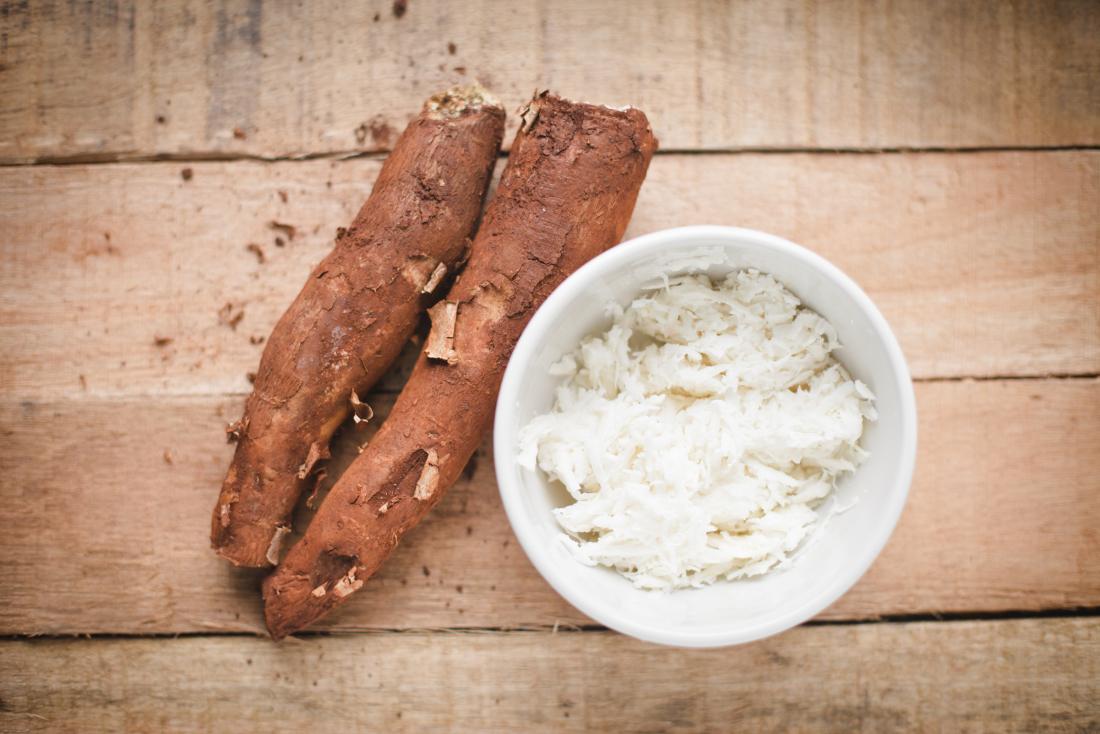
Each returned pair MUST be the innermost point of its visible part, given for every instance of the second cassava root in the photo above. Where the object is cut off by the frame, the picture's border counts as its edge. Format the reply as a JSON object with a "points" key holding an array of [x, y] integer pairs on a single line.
{"points": [[353, 316], [566, 194]]}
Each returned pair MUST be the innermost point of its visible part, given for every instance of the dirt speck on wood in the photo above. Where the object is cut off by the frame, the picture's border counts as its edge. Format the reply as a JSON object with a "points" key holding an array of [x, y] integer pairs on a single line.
{"points": [[380, 131], [230, 315], [288, 229]]}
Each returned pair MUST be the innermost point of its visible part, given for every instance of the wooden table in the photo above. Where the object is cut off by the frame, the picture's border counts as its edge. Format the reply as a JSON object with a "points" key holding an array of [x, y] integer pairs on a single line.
{"points": [[944, 154]]}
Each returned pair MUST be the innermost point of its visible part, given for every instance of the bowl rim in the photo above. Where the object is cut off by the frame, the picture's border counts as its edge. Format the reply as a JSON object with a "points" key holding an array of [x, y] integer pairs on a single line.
{"points": [[553, 309]]}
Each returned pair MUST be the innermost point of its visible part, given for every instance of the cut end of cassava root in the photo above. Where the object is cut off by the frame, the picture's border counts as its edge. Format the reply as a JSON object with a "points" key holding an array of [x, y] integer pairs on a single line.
{"points": [[458, 100], [354, 314], [566, 195]]}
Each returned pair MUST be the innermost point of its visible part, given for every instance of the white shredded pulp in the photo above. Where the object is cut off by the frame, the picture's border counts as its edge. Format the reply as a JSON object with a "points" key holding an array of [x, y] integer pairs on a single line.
{"points": [[700, 432]]}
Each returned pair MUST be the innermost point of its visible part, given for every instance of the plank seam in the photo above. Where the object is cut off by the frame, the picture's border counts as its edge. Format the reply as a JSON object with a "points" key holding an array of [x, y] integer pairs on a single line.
{"points": [[1049, 377], [1011, 378], [85, 159], [895, 619]]}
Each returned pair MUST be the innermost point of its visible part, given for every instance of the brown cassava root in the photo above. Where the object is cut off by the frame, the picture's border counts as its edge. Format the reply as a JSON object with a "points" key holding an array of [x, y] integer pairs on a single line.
{"points": [[567, 194], [353, 316]]}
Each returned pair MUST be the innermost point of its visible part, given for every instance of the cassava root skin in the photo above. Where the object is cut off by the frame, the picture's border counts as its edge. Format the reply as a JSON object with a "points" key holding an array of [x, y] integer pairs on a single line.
{"points": [[356, 311], [566, 195]]}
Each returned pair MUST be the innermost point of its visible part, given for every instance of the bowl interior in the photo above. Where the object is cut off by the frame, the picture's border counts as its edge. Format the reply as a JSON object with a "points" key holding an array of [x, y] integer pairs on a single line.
{"points": [[837, 553]]}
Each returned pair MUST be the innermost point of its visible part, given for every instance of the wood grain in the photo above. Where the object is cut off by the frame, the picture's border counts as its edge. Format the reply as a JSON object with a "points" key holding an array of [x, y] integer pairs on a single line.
{"points": [[1002, 516], [984, 264], [1006, 676], [241, 77], [121, 357]]}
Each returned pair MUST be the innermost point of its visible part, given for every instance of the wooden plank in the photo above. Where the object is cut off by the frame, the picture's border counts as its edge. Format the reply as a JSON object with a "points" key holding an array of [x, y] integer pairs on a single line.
{"points": [[129, 79], [1013, 675], [104, 535], [985, 264]]}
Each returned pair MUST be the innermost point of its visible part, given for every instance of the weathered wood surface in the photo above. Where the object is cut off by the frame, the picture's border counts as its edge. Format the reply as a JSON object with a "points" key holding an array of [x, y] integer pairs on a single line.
{"points": [[136, 79], [103, 534], [117, 371], [984, 263], [1006, 676]]}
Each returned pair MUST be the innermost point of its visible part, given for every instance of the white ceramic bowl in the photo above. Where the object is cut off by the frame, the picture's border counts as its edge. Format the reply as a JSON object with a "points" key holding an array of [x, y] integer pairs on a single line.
{"points": [[724, 613]]}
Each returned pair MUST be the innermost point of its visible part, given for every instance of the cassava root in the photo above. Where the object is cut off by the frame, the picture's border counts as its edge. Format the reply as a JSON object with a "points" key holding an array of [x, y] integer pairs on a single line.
{"points": [[566, 194], [353, 316]]}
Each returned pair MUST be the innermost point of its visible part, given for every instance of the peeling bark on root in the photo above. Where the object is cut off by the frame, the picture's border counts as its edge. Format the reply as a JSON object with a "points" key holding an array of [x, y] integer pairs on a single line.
{"points": [[566, 195], [317, 452], [441, 339], [360, 411], [354, 314], [276, 548], [429, 477], [434, 279]]}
